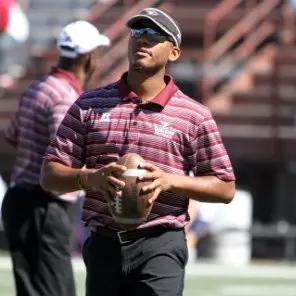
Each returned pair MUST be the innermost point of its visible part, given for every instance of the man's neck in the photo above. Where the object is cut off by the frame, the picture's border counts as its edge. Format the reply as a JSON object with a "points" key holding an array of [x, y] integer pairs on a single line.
{"points": [[78, 73], [144, 85], [80, 76]]}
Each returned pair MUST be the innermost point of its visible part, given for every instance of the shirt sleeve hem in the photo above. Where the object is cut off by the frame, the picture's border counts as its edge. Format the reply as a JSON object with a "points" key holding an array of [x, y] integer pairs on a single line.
{"points": [[57, 159]]}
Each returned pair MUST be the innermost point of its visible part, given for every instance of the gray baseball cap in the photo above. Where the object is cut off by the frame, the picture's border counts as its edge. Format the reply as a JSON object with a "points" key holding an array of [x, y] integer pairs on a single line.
{"points": [[161, 20]]}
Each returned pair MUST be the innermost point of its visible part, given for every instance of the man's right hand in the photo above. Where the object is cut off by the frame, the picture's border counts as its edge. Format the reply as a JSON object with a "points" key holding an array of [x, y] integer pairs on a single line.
{"points": [[103, 179]]}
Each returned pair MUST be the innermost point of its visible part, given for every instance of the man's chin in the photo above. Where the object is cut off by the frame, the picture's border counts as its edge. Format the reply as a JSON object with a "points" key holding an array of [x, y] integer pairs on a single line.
{"points": [[138, 68], [141, 68]]}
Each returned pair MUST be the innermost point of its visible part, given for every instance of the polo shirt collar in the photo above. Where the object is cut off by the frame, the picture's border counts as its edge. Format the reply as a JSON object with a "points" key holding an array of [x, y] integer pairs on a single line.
{"points": [[68, 76], [160, 99]]}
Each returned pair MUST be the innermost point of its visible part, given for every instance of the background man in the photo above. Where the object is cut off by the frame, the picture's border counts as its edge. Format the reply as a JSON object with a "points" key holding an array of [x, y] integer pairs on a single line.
{"points": [[38, 224]]}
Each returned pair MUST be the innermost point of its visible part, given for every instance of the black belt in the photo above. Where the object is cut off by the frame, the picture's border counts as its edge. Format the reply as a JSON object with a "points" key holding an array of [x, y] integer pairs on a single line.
{"points": [[128, 236]]}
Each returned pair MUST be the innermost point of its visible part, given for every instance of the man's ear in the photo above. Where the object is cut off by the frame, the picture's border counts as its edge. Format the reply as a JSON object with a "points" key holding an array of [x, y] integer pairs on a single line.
{"points": [[175, 54]]}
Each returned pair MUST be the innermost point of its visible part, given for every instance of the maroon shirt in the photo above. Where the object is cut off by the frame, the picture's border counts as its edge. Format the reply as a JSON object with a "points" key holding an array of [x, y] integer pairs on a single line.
{"points": [[41, 110], [172, 131]]}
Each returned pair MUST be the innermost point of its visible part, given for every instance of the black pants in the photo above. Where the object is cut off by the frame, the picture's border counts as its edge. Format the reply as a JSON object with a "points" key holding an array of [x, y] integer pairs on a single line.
{"points": [[149, 266], [38, 228]]}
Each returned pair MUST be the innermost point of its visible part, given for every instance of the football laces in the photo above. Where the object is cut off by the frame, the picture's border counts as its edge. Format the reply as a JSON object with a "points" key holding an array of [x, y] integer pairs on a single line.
{"points": [[118, 205]]}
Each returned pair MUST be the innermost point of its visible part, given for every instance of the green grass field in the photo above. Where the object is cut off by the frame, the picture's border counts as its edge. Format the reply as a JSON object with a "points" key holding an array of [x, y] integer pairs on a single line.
{"points": [[205, 280]]}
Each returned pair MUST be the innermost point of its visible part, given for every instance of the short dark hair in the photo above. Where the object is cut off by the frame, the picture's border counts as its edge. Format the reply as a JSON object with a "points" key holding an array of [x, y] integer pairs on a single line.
{"points": [[69, 63]]}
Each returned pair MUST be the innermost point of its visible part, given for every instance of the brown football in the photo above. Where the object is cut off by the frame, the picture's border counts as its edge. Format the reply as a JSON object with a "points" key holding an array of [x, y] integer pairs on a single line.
{"points": [[132, 208]]}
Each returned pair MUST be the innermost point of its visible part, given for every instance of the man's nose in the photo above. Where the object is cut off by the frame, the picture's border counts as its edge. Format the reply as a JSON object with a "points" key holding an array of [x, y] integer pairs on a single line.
{"points": [[142, 40]]}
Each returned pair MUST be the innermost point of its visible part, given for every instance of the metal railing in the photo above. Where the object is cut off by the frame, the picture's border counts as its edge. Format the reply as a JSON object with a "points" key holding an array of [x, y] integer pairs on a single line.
{"points": [[215, 16], [98, 9], [280, 231], [253, 27]]}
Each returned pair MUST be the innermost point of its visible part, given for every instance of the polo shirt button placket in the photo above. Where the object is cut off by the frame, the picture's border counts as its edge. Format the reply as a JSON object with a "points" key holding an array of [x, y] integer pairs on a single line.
{"points": [[133, 130]]}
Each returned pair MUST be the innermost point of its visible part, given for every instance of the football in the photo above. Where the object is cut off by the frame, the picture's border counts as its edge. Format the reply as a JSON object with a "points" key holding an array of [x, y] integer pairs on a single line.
{"points": [[132, 208]]}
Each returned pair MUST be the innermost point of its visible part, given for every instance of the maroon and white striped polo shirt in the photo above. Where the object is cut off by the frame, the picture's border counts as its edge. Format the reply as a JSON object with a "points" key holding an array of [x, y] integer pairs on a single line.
{"points": [[40, 112], [172, 131]]}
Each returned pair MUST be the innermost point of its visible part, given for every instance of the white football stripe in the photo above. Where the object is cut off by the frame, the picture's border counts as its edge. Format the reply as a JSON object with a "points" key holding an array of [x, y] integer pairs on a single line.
{"points": [[134, 173]]}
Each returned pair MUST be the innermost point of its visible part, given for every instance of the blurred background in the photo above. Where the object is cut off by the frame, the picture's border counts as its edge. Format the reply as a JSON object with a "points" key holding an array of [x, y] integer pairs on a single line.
{"points": [[239, 59]]}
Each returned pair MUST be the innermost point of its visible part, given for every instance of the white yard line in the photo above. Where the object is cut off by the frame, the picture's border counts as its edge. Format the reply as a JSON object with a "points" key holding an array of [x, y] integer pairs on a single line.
{"points": [[208, 269], [258, 290], [5, 263], [264, 272]]}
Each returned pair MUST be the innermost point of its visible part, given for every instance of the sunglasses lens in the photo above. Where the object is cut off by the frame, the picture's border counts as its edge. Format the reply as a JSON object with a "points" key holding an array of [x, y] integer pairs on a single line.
{"points": [[150, 34]]}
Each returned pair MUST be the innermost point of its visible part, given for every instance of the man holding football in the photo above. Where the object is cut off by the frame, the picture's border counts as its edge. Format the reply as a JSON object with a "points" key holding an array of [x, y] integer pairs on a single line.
{"points": [[143, 113]]}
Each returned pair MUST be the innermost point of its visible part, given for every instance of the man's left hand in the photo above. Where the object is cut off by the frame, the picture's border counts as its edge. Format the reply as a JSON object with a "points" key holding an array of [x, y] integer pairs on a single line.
{"points": [[160, 181]]}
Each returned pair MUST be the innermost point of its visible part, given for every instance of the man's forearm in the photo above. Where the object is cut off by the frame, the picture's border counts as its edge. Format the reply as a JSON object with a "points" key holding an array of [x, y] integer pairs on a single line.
{"points": [[58, 178], [204, 189]]}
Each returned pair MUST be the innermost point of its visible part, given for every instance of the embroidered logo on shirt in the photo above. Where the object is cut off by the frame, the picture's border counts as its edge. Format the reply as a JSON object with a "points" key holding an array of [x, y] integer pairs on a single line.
{"points": [[164, 130], [105, 117]]}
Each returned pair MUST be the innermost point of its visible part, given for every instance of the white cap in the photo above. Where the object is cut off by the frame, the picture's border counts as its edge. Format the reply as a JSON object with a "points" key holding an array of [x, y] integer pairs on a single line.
{"points": [[78, 38]]}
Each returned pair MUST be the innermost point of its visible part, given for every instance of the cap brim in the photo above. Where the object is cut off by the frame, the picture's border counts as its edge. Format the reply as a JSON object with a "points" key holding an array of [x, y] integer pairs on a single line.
{"points": [[137, 18], [100, 40], [103, 40]]}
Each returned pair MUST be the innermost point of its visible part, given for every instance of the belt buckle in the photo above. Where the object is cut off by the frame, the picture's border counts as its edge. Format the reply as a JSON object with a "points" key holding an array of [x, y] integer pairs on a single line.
{"points": [[121, 240]]}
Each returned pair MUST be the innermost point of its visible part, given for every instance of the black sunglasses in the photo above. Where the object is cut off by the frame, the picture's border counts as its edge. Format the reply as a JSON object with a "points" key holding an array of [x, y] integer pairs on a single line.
{"points": [[151, 34]]}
